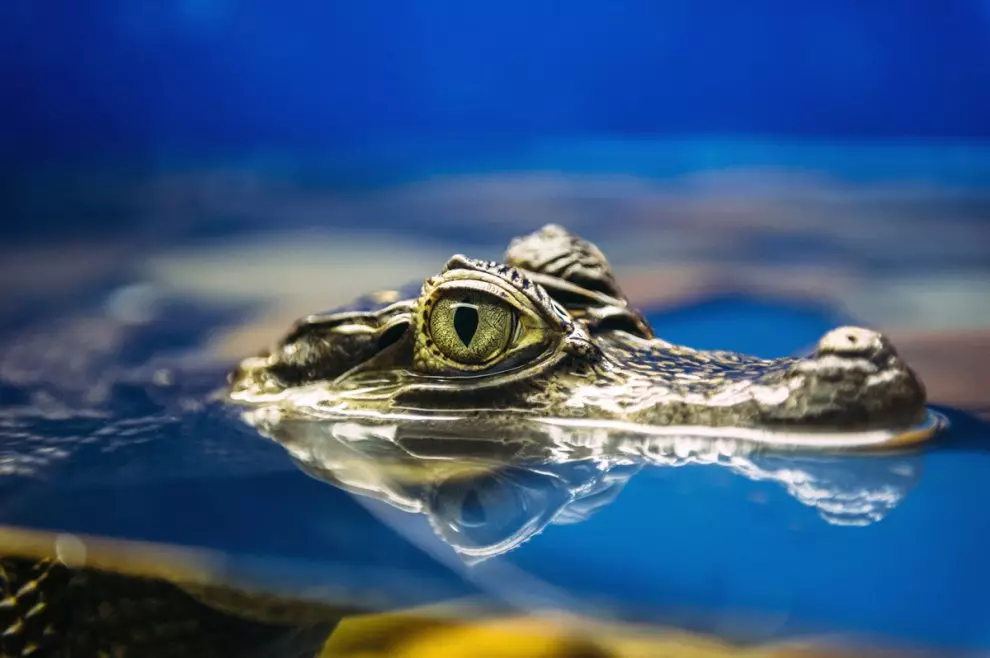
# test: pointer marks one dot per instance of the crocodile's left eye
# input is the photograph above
(471, 321)
(472, 328)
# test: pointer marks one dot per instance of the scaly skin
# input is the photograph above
(592, 357)
(50, 610)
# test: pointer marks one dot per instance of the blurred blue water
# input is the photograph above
(102, 100)
(153, 79)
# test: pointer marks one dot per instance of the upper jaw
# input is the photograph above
(843, 386)
(853, 380)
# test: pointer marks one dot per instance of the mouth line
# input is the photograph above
(792, 439)
(315, 404)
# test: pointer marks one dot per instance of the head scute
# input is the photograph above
(555, 251)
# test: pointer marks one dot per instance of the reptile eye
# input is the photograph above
(482, 320)
(472, 328)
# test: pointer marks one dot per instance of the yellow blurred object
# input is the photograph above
(408, 635)
(529, 638)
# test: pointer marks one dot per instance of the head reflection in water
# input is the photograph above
(486, 496)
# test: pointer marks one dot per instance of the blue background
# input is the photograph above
(99, 96)
(110, 77)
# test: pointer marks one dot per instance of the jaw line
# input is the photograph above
(772, 438)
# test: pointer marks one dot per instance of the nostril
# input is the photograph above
(851, 341)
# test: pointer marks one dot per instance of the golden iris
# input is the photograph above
(472, 329)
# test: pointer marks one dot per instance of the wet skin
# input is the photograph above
(548, 333)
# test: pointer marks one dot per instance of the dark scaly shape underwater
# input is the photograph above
(548, 334)
(49, 609)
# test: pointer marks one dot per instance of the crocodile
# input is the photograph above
(544, 345)
(548, 334)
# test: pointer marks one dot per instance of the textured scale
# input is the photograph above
(53, 611)
(600, 361)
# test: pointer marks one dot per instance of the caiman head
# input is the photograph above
(548, 334)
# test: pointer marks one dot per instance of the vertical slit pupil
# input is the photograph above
(466, 322)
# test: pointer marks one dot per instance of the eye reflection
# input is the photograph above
(479, 508)
(489, 510)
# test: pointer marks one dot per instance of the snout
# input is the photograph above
(854, 378)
